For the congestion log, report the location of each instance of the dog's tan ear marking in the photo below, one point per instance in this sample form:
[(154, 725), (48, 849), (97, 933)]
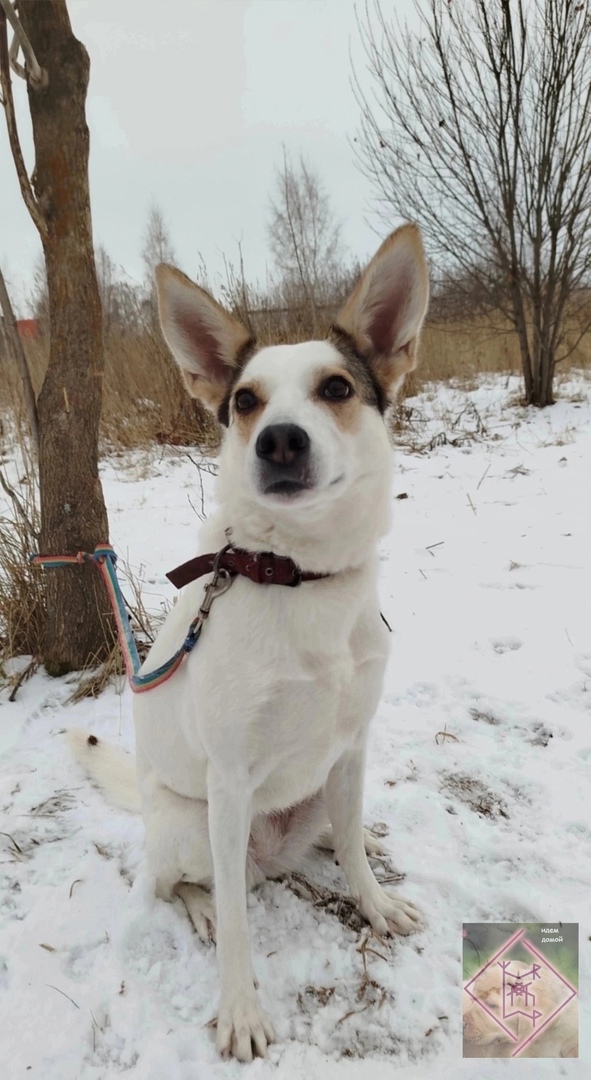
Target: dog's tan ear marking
[(207, 342), (385, 311)]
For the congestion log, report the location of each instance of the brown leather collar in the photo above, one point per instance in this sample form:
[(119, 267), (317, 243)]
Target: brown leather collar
[(264, 567)]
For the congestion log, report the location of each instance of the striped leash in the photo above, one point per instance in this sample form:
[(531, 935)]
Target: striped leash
[(105, 559)]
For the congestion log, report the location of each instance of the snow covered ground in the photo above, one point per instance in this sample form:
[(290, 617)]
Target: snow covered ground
[(479, 768)]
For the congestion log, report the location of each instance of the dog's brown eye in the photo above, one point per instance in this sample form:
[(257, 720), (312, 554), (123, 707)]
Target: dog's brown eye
[(245, 400), (336, 388)]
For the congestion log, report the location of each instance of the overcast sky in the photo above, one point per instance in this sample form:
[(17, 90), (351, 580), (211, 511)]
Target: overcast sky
[(189, 106)]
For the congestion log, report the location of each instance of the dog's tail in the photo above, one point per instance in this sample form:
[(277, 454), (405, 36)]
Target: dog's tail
[(113, 769)]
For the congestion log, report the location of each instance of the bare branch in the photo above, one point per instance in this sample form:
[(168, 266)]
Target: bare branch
[(13, 138), (18, 504), (13, 57), (36, 75)]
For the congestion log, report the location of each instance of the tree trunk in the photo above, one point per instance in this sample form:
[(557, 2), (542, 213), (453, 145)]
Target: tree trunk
[(547, 366), (524, 349), (73, 513), (543, 363)]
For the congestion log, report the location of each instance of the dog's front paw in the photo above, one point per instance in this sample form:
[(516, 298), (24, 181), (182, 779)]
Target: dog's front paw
[(243, 1030), (389, 914)]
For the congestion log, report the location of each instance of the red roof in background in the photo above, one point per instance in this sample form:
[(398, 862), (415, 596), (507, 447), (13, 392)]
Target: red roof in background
[(27, 328)]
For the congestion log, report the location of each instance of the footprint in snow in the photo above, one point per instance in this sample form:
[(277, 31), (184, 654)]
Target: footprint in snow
[(506, 644), (541, 735)]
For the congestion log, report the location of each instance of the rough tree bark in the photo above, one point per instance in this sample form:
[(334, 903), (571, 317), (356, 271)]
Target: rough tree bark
[(73, 513)]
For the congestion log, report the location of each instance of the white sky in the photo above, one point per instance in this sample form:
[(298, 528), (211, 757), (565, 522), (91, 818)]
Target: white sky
[(192, 111)]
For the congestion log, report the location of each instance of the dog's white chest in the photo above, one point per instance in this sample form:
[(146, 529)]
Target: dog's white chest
[(272, 691)]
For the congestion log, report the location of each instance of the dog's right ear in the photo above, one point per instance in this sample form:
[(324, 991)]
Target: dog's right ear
[(385, 311), (207, 342)]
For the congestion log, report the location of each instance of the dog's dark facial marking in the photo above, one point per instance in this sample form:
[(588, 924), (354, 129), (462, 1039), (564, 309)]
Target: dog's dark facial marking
[(247, 403), (337, 390), (246, 353), (92, 740), (368, 387)]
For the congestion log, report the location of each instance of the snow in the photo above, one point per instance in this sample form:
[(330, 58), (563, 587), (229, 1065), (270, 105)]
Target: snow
[(478, 766)]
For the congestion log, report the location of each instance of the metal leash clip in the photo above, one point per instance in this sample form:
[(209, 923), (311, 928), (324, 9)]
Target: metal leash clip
[(220, 583)]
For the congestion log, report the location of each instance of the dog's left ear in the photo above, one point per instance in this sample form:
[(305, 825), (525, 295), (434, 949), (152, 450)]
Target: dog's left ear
[(385, 311)]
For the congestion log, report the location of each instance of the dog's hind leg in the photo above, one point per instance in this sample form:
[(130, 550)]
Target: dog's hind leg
[(280, 840), (201, 907), (177, 838), (373, 846)]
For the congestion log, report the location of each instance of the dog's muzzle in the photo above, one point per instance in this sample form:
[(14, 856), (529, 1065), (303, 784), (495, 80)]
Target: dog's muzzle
[(283, 451)]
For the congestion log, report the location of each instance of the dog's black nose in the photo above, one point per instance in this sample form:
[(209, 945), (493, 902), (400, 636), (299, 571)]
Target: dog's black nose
[(282, 444)]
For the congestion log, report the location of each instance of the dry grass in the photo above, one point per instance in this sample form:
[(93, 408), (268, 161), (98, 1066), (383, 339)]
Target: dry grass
[(464, 351), (343, 907), (145, 400), (92, 683), (22, 589), (475, 795)]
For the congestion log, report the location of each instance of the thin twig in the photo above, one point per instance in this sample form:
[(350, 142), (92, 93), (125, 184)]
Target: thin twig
[(13, 842), (483, 477), (22, 677), (431, 546), (445, 734), (52, 987), (17, 502), (13, 137)]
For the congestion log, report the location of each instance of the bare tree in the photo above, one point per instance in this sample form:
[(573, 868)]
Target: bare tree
[(479, 127), (73, 513), (304, 236), (157, 248), (107, 287)]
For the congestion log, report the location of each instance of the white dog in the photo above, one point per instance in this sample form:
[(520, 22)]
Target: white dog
[(254, 750)]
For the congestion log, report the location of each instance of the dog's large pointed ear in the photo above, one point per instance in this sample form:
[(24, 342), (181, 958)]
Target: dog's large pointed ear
[(207, 342), (385, 311)]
